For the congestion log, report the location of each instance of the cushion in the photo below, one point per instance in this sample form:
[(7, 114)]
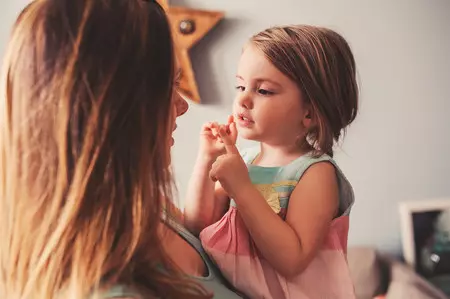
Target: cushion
[(366, 272), (406, 283)]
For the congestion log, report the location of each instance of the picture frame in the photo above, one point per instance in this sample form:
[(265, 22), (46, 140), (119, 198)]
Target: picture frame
[(417, 221)]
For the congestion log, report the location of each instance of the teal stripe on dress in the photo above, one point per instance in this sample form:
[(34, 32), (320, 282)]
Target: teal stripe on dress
[(266, 176)]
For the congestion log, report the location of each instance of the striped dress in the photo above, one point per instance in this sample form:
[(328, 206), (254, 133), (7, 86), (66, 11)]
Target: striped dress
[(231, 247)]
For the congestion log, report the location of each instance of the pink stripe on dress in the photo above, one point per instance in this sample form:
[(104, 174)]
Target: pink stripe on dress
[(231, 247)]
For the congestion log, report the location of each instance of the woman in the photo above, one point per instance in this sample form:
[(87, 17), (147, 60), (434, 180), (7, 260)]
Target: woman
[(86, 120)]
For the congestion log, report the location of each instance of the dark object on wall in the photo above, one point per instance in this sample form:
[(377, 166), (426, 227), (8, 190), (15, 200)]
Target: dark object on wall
[(189, 26)]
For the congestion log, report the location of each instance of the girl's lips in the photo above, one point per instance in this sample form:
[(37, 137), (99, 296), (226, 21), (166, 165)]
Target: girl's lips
[(244, 116), (172, 141), (244, 121)]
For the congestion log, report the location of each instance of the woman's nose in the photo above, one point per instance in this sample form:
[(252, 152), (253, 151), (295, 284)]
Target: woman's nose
[(182, 106)]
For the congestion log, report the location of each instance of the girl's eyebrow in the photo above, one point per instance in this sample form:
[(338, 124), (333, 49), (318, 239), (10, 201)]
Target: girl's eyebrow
[(261, 80)]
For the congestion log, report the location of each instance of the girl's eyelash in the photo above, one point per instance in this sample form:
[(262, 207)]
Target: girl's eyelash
[(265, 92)]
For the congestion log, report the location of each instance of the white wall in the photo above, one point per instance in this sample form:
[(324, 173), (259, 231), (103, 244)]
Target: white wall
[(398, 147)]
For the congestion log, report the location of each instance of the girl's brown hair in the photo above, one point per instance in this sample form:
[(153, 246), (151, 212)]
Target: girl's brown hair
[(86, 98), (320, 62)]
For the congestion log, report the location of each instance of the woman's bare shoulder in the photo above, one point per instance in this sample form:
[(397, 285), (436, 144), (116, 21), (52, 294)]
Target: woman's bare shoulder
[(174, 211)]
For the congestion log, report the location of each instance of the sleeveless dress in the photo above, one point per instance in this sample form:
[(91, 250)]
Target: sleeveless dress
[(231, 247), (213, 282)]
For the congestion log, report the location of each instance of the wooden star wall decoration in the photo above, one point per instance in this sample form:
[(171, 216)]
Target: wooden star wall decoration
[(188, 27)]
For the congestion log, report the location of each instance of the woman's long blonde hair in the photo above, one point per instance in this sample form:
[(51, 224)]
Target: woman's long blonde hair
[(86, 97)]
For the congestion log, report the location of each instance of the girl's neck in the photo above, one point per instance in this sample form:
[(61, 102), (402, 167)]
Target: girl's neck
[(272, 156)]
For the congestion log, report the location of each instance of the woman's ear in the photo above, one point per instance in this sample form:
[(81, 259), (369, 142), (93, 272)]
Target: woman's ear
[(308, 119)]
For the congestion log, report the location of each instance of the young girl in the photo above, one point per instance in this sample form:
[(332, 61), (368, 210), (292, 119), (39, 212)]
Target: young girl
[(284, 232)]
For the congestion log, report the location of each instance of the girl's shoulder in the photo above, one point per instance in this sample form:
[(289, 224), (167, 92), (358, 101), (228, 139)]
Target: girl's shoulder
[(346, 193)]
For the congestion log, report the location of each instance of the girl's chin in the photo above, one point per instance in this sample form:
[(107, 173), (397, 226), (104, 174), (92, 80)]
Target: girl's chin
[(245, 134)]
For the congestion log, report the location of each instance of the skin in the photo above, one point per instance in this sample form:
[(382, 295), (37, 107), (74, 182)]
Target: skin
[(185, 257), (265, 97)]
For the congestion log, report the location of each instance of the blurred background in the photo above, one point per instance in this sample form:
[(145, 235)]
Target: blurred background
[(397, 149)]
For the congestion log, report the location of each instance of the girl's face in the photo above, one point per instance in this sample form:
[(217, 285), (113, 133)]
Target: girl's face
[(268, 106)]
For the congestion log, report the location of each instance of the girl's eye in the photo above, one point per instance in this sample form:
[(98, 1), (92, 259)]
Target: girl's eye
[(240, 88), (265, 92)]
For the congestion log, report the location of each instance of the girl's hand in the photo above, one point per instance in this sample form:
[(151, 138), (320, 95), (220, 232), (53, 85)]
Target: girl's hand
[(211, 144), (230, 169)]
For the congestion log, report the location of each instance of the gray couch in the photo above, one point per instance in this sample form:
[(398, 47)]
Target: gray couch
[(377, 274)]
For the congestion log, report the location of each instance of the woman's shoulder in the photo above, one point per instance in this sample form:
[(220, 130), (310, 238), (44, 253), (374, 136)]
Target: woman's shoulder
[(214, 282), (121, 291)]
